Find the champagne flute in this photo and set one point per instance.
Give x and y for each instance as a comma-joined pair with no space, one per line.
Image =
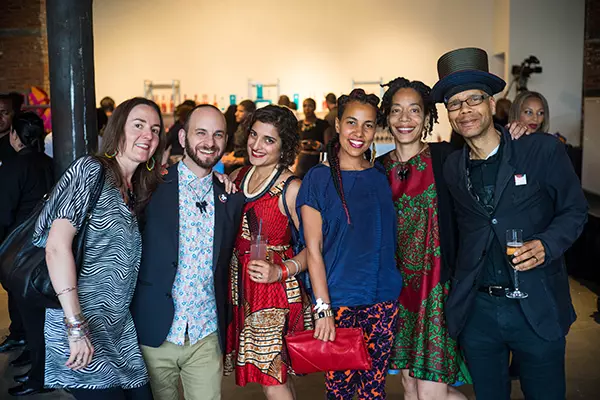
514,241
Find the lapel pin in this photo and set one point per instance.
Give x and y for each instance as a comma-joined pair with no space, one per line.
223,198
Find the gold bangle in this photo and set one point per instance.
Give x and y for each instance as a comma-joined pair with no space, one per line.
323,314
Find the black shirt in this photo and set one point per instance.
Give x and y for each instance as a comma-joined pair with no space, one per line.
483,174
6,150
24,180
315,131
173,139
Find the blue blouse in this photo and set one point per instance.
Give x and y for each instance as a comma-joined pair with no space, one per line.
359,258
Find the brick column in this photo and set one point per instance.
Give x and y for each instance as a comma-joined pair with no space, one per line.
591,65
23,45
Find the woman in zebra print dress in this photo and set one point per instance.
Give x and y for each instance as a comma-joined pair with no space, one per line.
91,343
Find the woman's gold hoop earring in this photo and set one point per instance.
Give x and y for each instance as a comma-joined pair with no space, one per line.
111,155
150,168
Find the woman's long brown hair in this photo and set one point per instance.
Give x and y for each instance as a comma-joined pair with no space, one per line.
144,182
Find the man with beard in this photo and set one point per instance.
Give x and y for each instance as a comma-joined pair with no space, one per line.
500,185
179,306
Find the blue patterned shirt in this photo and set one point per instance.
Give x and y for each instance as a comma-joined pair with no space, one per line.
193,289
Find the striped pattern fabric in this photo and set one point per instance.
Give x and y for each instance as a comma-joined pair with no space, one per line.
105,286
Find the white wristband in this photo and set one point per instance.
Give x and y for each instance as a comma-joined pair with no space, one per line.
321,306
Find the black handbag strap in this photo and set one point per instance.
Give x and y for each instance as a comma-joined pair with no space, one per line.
295,242
97,190
294,230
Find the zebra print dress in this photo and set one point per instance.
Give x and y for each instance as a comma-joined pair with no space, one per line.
105,285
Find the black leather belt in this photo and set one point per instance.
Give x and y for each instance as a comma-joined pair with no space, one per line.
498,291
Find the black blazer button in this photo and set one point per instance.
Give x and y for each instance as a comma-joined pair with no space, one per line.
174,264
168,296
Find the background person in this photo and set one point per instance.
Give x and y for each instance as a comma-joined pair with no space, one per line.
25,179
312,138
531,109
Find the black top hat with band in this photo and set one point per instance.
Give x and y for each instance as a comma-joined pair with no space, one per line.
464,69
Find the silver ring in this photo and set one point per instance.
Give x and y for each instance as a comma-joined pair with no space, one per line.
259,276
536,259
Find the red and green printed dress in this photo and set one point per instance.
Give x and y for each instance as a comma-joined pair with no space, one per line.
422,344
262,313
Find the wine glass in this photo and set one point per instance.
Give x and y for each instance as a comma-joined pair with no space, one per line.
514,241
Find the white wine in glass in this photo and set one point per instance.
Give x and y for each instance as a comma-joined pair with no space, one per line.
514,241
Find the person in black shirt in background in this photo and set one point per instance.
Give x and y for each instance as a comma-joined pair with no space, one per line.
312,138
10,104
238,156
331,101
173,146
25,179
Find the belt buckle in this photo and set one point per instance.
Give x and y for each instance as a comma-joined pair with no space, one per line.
490,288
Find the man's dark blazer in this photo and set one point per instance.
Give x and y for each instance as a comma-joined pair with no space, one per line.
152,306
551,207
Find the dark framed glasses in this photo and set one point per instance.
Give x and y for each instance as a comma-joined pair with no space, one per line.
472,100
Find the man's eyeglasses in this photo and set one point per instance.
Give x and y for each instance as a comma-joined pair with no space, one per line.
472,100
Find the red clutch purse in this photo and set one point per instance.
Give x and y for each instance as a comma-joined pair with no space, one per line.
347,351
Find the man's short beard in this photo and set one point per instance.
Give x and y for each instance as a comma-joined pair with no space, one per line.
202,164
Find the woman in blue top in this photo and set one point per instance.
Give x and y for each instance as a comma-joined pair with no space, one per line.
348,226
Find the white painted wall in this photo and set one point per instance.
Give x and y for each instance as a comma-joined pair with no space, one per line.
312,46
553,31
498,64
316,46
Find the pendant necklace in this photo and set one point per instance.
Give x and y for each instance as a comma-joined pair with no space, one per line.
404,168
130,200
201,204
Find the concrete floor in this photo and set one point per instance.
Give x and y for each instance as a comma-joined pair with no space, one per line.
583,362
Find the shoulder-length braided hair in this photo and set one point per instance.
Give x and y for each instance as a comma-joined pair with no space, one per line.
333,147
431,115
144,182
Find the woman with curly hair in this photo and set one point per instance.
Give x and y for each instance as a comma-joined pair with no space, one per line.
267,296
426,244
348,226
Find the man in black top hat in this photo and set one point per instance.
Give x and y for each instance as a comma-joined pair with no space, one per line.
498,185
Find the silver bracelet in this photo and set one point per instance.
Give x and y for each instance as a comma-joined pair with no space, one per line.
287,269
279,275
297,265
67,290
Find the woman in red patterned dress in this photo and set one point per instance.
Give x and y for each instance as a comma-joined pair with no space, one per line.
267,298
427,356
